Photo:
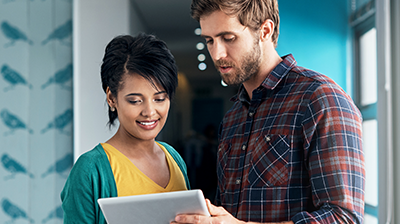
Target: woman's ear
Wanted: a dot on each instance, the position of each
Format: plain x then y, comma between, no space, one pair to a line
267,29
110,99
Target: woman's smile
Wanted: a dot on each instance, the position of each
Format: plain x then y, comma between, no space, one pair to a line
148,125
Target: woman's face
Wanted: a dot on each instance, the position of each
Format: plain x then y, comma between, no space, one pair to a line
142,108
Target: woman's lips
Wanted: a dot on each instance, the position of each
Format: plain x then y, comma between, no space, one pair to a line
148,125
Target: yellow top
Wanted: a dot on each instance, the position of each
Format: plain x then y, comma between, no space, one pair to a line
131,181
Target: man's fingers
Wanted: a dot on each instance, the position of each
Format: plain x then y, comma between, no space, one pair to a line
210,206
190,218
197,219
214,210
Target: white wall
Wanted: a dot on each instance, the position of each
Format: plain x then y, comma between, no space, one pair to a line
395,38
95,23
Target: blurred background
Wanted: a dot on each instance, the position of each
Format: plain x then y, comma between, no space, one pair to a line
52,107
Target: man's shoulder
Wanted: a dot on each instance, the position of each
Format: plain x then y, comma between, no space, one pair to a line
311,75
323,89
289,73
311,80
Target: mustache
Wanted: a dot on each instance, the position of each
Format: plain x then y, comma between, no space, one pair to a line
221,62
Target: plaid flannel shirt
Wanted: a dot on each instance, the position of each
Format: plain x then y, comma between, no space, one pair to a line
292,152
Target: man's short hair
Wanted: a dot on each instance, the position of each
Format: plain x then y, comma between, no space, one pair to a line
251,13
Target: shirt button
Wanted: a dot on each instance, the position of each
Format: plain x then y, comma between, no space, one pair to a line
238,181
243,147
251,114
267,138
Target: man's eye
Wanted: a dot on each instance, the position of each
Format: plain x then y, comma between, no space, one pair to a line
209,41
230,39
134,101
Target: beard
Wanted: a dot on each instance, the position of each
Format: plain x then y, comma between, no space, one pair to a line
249,66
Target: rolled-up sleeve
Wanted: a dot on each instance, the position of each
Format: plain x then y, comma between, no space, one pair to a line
334,157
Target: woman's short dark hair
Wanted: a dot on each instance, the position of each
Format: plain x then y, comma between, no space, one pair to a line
144,55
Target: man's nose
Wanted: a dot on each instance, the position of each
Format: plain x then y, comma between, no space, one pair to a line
218,51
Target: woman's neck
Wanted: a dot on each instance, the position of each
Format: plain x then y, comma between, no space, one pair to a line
133,147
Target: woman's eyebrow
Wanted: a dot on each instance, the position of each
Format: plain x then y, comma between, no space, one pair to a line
139,94
134,94
161,92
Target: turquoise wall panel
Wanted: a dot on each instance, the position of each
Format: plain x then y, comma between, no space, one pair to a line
35,108
317,34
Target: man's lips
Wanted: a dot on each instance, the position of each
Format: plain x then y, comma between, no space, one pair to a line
224,69
223,66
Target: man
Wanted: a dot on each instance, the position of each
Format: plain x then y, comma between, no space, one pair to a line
290,148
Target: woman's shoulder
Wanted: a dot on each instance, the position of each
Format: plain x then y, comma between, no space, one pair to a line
164,144
175,154
168,147
91,158
178,159
95,152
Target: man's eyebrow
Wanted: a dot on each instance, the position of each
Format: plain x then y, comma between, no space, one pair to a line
218,35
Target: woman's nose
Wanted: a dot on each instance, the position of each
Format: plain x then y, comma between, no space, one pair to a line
148,110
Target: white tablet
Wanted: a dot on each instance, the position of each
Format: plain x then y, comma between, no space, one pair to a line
160,208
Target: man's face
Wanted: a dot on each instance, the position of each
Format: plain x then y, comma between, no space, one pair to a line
233,47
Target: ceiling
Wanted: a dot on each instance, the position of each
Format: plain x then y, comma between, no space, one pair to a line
170,20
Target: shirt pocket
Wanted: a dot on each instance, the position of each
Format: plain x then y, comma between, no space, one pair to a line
270,160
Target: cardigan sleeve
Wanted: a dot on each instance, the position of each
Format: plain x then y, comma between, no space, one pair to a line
77,195
90,179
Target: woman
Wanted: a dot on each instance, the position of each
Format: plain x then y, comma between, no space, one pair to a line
139,77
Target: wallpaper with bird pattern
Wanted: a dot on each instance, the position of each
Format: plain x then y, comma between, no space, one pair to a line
35,108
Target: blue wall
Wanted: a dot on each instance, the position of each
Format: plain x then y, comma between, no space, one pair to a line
35,108
316,33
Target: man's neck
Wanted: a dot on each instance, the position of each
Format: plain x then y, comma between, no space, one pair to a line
266,68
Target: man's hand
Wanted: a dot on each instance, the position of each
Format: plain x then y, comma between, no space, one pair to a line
218,216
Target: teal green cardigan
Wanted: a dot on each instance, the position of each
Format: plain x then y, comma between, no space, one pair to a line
92,178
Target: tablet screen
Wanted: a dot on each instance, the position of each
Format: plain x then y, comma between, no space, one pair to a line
153,208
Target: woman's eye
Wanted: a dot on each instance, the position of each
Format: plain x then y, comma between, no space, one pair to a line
160,100
134,101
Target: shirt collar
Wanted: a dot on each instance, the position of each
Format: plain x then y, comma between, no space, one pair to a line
273,78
